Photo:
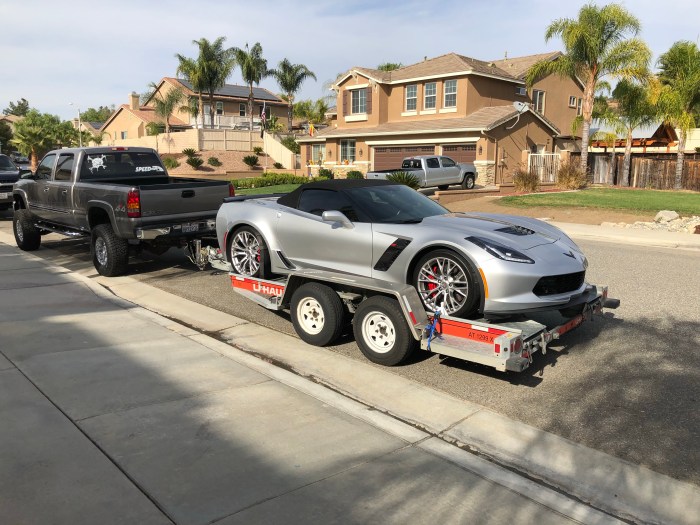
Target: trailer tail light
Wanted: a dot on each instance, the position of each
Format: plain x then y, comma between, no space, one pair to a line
133,204
497,348
231,190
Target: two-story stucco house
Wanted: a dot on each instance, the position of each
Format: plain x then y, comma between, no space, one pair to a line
452,105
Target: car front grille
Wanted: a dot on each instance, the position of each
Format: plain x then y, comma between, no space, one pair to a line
5,188
556,284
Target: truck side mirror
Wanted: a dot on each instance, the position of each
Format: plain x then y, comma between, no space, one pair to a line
26,174
337,216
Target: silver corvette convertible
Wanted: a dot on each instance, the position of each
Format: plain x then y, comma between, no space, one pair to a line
469,264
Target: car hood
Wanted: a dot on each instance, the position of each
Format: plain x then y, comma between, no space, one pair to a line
522,233
9,175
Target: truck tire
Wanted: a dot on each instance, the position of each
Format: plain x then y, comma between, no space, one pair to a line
382,332
27,235
468,181
317,314
110,254
443,187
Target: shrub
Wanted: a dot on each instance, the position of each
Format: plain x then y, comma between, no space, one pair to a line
153,128
270,179
251,160
170,163
290,143
277,165
354,174
325,173
404,177
213,161
257,150
190,152
571,177
195,162
525,181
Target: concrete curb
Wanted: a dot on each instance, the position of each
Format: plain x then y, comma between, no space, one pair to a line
660,239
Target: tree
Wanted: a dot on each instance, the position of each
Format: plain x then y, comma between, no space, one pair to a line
38,132
313,111
389,66
165,105
290,77
100,114
5,137
253,69
192,107
20,108
601,42
195,72
679,95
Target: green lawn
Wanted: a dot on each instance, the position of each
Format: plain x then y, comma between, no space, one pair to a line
281,188
685,203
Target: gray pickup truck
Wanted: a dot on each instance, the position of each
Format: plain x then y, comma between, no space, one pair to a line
434,170
121,197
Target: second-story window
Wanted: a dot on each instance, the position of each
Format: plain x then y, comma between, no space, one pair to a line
241,109
538,100
219,108
358,101
411,97
430,95
579,107
450,94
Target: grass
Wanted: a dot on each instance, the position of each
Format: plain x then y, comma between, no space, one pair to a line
280,188
685,203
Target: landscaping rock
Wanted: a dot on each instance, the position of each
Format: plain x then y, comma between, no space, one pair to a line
679,224
665,216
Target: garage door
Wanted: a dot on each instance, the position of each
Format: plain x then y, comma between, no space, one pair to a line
390,157
460,152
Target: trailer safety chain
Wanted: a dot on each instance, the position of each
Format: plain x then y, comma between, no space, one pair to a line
431,328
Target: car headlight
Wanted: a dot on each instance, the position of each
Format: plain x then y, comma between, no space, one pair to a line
500,251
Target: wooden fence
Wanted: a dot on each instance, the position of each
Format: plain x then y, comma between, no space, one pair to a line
654,172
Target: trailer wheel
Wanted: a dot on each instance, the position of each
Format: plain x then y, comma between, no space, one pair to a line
27,236
110,254
317,314
381,331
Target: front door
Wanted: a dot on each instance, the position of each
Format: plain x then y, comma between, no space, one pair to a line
38,193
61,190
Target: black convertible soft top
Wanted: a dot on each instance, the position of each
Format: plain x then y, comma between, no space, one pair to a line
291,199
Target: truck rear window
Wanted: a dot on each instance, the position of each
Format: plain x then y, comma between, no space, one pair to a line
114,164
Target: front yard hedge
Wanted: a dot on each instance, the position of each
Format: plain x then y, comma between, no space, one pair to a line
271,179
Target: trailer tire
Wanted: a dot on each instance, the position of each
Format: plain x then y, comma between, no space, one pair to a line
317,314
382,332
110,254
27,235
468,181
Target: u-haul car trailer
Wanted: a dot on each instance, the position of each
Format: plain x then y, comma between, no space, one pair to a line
389,321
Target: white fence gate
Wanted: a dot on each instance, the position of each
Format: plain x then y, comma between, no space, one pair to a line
545,165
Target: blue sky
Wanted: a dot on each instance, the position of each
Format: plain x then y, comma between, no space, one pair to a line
96,53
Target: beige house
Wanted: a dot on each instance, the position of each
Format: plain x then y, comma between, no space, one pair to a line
452,105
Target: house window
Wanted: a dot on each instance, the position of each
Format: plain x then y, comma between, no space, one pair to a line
411,97
521,91
579,107
123,135
538,100
241,109
430,95
450,94
358,101
219,108
572,102
347,151
317,152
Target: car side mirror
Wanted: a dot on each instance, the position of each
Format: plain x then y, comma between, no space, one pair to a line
26,174
337,216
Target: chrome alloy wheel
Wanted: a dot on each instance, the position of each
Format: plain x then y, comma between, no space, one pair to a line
310,315
378,332
443,283
245,253
101,251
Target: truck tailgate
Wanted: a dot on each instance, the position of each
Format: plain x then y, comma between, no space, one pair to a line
182,198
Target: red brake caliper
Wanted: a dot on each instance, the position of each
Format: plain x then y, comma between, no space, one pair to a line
432,285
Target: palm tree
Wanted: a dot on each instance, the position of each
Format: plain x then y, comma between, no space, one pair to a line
165,105
290,77
596,45
209,71
389,66
253,69
37,133
679,96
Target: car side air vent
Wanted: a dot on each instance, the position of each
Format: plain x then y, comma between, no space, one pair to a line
516,230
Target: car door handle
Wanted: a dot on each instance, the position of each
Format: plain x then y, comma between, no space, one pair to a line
65,192
46,189
186,194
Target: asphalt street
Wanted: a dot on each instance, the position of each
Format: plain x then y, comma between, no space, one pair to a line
626,384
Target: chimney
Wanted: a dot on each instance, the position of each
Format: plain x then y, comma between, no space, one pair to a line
134,100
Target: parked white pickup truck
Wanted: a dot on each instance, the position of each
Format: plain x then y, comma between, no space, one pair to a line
434,170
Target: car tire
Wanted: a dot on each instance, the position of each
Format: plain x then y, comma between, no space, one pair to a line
443,187
468,181
444,274
252,257
382,332
318,315
27,235
110,254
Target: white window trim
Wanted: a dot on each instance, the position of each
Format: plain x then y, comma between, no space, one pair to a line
356,117
428,112
351,114
356,86
521,91
534,101
425,97
575,101
409,113
445,94
448,110
406,99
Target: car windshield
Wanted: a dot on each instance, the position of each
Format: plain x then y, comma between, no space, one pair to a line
6,164
395,204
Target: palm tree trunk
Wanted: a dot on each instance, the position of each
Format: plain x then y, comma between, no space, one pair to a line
250,111
201,108
290,110
628,158
211,109
587,111
679,160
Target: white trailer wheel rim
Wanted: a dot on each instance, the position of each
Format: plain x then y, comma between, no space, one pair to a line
310,316
378,332
101,251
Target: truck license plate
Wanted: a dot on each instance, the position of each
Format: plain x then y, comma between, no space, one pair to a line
4,195
190,227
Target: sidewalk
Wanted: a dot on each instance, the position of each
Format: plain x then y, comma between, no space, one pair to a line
187,428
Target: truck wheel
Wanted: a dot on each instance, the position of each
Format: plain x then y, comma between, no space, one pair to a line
248,253
468,181
382,332
317,314
110,254
27,236
443,187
